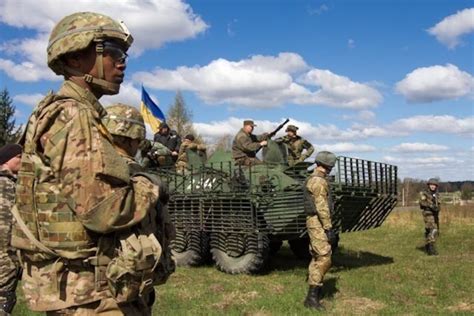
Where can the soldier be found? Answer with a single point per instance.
(429, 204)
(169, 138)
(319, 228)
(246, 145)
(76, 205)
(296, 144)
(10, 156)
(188, 143)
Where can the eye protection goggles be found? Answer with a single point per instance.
(117, 53)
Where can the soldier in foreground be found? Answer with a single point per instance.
(246, 145)
(296, 144)
(188, 143)
(319, 228)
(77, 226)
(430, 206)
(10, 157)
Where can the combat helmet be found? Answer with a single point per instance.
(124, 120)
(433, 181)
(326, 158)
(76, 32)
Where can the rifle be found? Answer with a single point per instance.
(270, 135)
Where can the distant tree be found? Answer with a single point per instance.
(9, 133)
(180, 117)
(466, 191)
(224, 143)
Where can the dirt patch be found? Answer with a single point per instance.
(462, 307)
(235, 298)
(358, 306)
(216, 288)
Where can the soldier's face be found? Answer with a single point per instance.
(433, 187)
(291, 134)
(248, 128)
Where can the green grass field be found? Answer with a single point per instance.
(377, 272)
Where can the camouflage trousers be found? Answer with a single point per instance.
(106, 307)
(248, 161)
(181, 166)
(431, 226)
(9, 264)
(320, 251)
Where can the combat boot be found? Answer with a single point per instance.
(431, 250)
(313, 299)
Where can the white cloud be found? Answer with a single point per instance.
(364, 116)
(28, 99)
(318, 11)
(421, 161)
(418, 147)
(435, 123)
(351, 43)
(346, 147)
(435, 83)
(451, 28)
(128, 95)
(264, 81)
(151, 22)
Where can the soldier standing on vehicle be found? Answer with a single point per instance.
(188, 144)
(430, 206)
(169, 138)
(75, 199)
(295, 144)
(319, 228)
(246, 145)
(10, 157)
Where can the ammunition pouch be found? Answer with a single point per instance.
(130, 275)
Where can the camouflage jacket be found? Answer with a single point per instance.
(82, 191)
(246, 145)
(183, 157)
(429, 201)
(296, 146)
(7, 199)
(318, 186)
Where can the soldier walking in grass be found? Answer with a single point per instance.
(296, 145)
(319, 227)
(430, 206)
(78, 211)
(10, 157)
(246, 145)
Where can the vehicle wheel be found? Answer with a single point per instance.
(190, 248)
(300, 247)
(240, 253)
(275, 246)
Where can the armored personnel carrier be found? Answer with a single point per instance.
(240, 215)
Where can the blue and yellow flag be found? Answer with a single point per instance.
(151, 113)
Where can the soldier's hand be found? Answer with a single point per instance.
(332, 236)
(174, 153)
(263, 143)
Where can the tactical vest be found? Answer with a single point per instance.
(47, 213)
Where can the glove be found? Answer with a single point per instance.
(332, 236)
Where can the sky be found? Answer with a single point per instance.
(385, 80)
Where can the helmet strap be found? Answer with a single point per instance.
(99, 83)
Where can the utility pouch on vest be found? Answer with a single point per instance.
(130, 273)
(309, 207)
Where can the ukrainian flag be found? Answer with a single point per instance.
(151, 113)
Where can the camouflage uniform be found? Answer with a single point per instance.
(245, 147)
(182, 162)
(74, 195)
(8, 261)
(320, 248)
(429, 204)
(296, 145)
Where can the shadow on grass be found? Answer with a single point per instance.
(329, 287)
(346, 259)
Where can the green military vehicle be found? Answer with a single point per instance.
(241, 215)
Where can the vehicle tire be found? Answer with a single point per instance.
(240, 253)
(275, 246)
(300, 247)
(191, 249)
